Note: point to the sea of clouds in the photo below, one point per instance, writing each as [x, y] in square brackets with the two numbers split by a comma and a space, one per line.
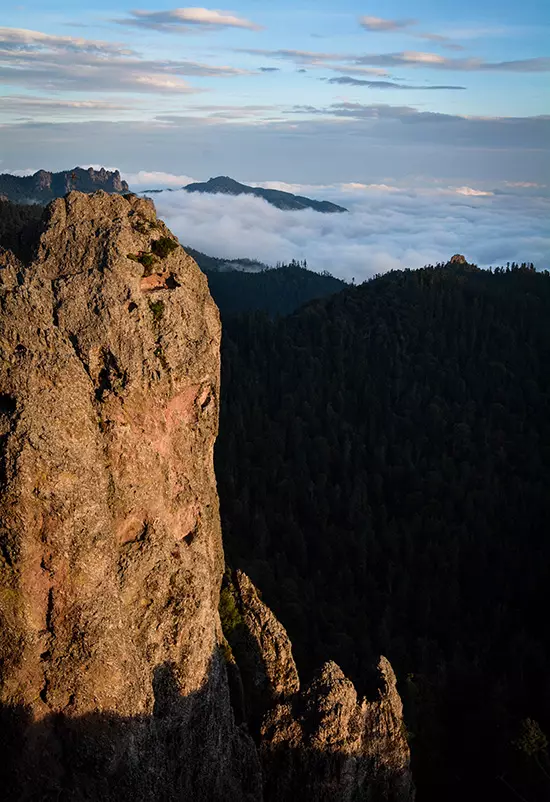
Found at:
[388, 226]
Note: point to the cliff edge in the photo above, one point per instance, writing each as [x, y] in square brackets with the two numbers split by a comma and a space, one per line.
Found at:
[116, 679]
[112, 681]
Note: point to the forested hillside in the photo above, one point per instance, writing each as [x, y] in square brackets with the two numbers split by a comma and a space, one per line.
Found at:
[384, 470]
[277, 291]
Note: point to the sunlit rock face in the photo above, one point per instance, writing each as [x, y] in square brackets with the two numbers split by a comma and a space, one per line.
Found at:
[111, 555]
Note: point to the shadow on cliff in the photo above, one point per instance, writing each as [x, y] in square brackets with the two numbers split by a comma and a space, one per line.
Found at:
[188, 749]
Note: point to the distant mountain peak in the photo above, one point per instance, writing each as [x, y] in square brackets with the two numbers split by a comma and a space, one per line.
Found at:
[223, 181]
[223, 184]
[44, 186]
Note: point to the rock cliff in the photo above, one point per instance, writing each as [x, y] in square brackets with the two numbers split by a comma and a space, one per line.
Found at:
[44, 186]
[110, 548]
[116, 680]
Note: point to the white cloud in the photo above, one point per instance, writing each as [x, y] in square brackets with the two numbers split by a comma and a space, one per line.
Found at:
[472, 192]
[163, 83]
[379, 24]
[387, 227]
[145, 179]
[421, 58]
[22, 39]
[35, 60]
[182, 19]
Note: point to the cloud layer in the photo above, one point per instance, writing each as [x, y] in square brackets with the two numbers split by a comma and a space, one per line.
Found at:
[344, 141]
[387, 227]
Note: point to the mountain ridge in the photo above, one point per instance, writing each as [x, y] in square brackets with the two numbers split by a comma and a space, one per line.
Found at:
[286, 201]
[44, 186]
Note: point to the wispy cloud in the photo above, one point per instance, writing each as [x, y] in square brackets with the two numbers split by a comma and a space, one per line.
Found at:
[411, 58]
[298, 56]
[404, 58]
[34, 106]
[348, 81]
[32, 59]
[24, 40]
[181, 20]
[351, 70]
[379, 24]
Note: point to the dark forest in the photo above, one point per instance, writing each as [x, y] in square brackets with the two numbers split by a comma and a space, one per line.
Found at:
[383, 466]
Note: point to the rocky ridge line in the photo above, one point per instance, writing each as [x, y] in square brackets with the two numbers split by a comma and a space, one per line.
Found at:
[43, 186]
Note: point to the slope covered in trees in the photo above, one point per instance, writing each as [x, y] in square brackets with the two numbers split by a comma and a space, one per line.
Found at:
[277, 291]
[383, 466]
[213, 264]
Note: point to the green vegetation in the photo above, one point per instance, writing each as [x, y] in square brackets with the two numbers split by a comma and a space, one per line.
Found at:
[163, 247]
[148, 261]
[230, 615]
[383, 469]
[157, 310]
[227, 653]
[145, 259]
[213, 263]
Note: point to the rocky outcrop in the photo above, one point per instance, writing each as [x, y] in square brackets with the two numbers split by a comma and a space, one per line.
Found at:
[116, 680]
[336, 746]
[112, 681]
[458, 259]
[322, 743]
[262, 652]
[44, 186]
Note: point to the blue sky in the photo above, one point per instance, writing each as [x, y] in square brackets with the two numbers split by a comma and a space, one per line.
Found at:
[305, 91]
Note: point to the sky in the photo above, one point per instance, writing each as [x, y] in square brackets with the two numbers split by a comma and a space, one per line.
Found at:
[431, 98]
